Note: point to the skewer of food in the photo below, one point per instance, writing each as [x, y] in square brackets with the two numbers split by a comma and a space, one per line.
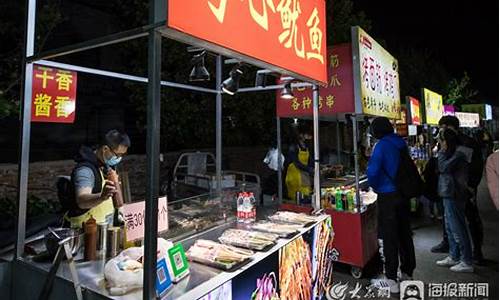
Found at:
[218, 255]
[283, 230]
[248, 239]
[291, 217]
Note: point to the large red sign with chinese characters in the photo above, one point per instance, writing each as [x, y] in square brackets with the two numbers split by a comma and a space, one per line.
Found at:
[337, 97]
[289, 35]
[53, 96]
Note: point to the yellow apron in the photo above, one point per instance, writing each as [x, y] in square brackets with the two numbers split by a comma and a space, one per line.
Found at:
[101, 213]
[297, 180]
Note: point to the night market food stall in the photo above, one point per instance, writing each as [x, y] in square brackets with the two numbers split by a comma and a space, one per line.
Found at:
[283, 254]
[363, 82]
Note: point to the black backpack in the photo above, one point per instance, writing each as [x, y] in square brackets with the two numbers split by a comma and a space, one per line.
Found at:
[66, 190]
[408, 181]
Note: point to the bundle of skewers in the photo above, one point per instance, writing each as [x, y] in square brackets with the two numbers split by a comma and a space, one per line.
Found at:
[248, 239]
[283, 230]
[218, 255]
[293, 218]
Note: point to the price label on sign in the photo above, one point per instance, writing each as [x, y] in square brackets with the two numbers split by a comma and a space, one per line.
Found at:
[134, 214]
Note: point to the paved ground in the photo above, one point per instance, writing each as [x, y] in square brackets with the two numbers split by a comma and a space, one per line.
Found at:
[427, 233]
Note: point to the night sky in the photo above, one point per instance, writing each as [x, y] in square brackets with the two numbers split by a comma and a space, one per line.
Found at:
[463, 34]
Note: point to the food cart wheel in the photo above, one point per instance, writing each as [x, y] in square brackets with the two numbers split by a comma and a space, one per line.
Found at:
[356, 272]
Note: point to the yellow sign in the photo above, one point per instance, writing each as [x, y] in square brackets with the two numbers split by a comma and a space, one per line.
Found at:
[378, 76]
[433, 107]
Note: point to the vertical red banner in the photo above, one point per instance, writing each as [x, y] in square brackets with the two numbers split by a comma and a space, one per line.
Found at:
[53, 96]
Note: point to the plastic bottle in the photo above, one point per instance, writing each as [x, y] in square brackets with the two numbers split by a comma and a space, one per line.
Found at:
[345, 204]
[252, 212]
[350, 200]
[338, 200]
[331, 196]
[240, 207]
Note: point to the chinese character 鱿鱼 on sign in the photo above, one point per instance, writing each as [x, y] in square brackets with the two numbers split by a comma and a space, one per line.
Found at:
[53, 95]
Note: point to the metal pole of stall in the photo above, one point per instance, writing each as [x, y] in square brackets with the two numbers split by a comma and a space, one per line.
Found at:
[157, 11]
[317, 189]
[280, 172]
[356, 162]
[218, 124]
[337, 130]
[23, 168]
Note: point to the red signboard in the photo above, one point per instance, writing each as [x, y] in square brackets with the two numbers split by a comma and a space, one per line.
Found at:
[337, 97]
[287, 34]
[53, 96]
[414, 106]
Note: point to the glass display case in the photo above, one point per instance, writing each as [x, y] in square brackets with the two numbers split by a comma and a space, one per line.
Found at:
[193, 215]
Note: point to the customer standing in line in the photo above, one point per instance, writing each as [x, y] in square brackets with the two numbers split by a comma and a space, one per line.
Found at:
[393, 208]
[475, 173]
[452, 187]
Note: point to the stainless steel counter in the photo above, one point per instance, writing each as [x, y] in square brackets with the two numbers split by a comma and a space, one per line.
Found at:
[201, 280]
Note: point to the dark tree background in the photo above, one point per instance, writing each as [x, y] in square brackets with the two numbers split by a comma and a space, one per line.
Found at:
[187, 118]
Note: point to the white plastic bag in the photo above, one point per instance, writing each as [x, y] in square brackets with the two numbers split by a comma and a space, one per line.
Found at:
[124, 273]
[271, 159]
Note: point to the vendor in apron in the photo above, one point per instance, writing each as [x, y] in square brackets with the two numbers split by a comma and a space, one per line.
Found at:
[96, 184]
[301, 166]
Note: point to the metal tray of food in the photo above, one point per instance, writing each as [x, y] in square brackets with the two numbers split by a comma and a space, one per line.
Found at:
[228, 267]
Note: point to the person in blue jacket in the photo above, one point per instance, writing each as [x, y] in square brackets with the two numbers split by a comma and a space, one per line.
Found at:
[393, 209]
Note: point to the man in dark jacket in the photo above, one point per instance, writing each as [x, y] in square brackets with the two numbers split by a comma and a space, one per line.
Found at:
[96, 184]
[393, 209]
[476, 166]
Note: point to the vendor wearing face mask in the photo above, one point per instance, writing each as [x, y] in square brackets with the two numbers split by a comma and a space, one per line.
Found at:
[96, 184]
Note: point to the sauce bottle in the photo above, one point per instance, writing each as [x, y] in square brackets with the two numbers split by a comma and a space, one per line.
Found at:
[90, 236]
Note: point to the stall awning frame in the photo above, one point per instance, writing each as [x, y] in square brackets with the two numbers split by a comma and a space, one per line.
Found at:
[155, 31]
